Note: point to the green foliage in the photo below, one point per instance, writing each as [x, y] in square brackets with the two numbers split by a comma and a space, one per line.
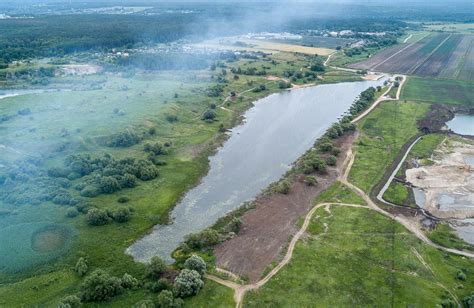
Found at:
[156, 267]
[284, 85]
[283, 187]
[326, 147]
[97, 217]
[71, 301]
[81, 267]
[166, 299]
[161, 284]
[204, 239]
[188, 283]
[468, 301]
[209, 115]
[331, 160]
[124, 139]
[72, 212]
[100, 286]
[196, 263]
[461, 275]
[155, 148]
[311, 180]
[109, 184]
[128, 281]
[121, 215]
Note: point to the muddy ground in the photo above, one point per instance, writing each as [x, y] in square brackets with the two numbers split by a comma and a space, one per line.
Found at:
[266, 229]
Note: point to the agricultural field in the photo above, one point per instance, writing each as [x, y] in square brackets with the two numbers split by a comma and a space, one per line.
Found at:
[441, 91]
[446, 55]
[318, 41]
[362, 258]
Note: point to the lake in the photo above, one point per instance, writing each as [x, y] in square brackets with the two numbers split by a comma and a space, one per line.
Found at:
[275, 132]
[462, 124]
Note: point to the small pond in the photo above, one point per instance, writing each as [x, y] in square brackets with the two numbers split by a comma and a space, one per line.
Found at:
[462, 124]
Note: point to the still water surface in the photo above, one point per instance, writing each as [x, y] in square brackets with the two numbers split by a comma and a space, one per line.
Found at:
[276, 131]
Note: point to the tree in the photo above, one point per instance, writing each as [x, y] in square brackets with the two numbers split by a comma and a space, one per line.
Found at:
[71, 301]
[209, 115]
[128, 281]
[81, 266]
[128, 180]
[166, 300]
[122, 214]
[97, 217]
[188, 283]
[156, 267]
[468, 301]
[325, 147]
[109, 184]
[100, 286]
[196, 263]
[72, 212]
[203, 239]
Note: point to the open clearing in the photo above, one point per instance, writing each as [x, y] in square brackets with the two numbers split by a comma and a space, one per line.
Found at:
[357, 257]
[436, 55]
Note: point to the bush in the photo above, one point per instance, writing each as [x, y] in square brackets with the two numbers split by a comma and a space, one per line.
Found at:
[209, 115]
[156, 148]
[156, 267]
[81, 267]
[123, 199]
[331, 160]
[325, 147]
[100, 286]
[128, 281]
[97, 217]
[234, 225]
[90, 191]
[203, 239]
[283, 187]
[336, 151]
[196, 263]
[146, 303]
[468, 301]
[461, 275]
[71, 301]
[160, 285]
[121, 215]
[166, 300]
[124, 139]
[128, 181]
[311, 180]
[109, 185]
[72, 212]
[188, 283]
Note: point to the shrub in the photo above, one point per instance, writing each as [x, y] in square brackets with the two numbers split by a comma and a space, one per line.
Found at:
[166, 300]
[196, 263]
[72, 212]
[71, 301]
[128, 281]
[156, 267]
[124, 139]
[97, 217]
[331, 160]
[121, 215]
[100, 286]
[311, 180]
[123, 199]
[283, 187]
[146, 303]
[156, 148]
[160, 285]
[209, 115]
[188, 283]
[128, 180]
[90, 191]
[109, 184]
[171, 118]
[81, 267]
[336, 151]
[461, 275]
[325, 147]
[468, 301]
[203, 239]
[234, 225]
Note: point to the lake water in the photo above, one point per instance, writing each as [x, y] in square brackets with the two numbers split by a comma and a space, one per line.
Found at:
[276, 131]
[462, 124]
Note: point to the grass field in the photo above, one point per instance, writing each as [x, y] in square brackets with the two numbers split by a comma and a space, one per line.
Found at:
[383, 133]
[439, 91]
[364, 259]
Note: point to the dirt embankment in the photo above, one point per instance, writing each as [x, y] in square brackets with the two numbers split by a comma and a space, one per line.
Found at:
[266, 229]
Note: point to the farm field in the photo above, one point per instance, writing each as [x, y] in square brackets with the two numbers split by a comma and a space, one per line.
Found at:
[442, 91]
[361, 258]
[444, 55]
[317, 41]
